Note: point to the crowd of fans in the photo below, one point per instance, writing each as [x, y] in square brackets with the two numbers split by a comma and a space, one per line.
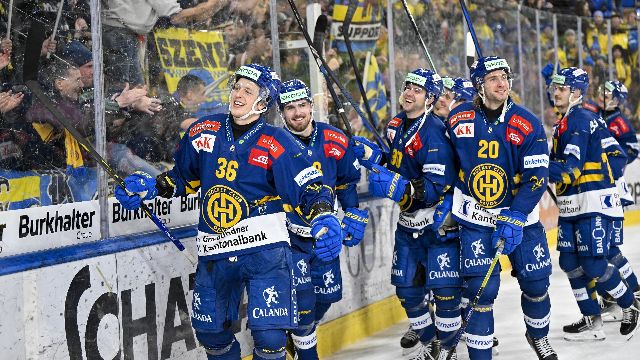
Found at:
[146, 114]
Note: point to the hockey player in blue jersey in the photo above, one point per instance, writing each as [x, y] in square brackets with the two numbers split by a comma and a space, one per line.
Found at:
[245, 170]
[611, 97]
[318, 279]
[584, 172]
[502, 151]
[420, 169]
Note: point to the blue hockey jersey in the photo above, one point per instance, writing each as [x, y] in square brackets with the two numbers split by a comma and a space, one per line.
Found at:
[243, 184]
[581, 167]
[330, 153]
[421, 150]
[503, 164]
[625, 135]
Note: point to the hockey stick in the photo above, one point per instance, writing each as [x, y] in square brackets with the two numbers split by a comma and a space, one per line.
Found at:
[417, 31]
[473, 304]
[470, 26]
[36, 89]
[321, 25]
[9, 20]
[55, 27]
[351, 10]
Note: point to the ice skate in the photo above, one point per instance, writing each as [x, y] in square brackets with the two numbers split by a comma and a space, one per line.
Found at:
[409, 340]
[543, 349]
[422, 351]
[588, 328]
[609, 310]
[630, 322]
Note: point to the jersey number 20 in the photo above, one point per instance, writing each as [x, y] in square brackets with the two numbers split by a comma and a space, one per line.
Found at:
[492, 147]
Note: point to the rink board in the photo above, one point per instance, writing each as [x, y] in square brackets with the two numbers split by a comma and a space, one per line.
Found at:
[135, 303]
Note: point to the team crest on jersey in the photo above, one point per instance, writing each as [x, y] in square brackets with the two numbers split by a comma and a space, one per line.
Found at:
[274, 147]
[223, 208]
[259, 158]
[488, 184]
[204, 126]
[395, 122]
[462, 116]
[335, 137]
[333, 151]
[464, 130]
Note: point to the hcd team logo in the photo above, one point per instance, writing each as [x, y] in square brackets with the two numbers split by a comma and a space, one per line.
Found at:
[224, 208]
[270, 295]
[488, 184]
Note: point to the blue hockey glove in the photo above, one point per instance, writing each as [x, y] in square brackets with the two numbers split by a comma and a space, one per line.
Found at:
[366, 151]
[547, 73]
[353, 224]
[509, 227]
[386, 183]
[139, 185]
[446, 228]
[328, 242]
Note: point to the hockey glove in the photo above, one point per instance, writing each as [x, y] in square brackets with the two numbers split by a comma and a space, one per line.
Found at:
[139, 186]
[328, 242]
[547, 73]
[386, 183]
[444, 226]
[353, 224]
[509, 227]
[366, 151]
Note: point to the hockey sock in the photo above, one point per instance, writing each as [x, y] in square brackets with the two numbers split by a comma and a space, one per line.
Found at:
[536, 307]
[448, 314]
[612, 283]
[480, 333]
[585, 296]
[620, 261]
[305, 340]
[412, 300]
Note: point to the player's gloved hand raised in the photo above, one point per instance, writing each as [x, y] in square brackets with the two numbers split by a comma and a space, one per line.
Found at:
[139, 186]
[386, 183]
[509, 228]
[353, 224]
[366, 151]
[328, 244]
[547, 73]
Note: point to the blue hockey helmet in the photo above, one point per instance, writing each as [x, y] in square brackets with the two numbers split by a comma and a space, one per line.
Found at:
[427, 79]
[293, 90]
[485, 65]
[462, 88]
[617, 90]
[266, 79]
[574, 78]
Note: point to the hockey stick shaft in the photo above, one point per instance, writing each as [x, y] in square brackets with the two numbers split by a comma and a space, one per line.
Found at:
[352, 59]
[8, 37]
[465, 12]
[55, 26]
[329, 77]
[347, 40]
[35, 87]
[417, 31]
[476, 299]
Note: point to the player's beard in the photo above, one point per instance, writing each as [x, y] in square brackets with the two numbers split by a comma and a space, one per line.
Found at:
[300, 123]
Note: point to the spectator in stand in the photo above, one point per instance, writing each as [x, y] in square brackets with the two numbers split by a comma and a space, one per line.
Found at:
[570, 47]
[622, 70]
[190, 95]
[125, 22]
[583, 9]
[605, 6]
